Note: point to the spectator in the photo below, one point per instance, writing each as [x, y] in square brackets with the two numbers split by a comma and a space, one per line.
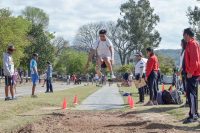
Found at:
[192, 65]
[140, 73]
[15, 79]
[151, 76]
[8, 66]
[34, 73]
[182, 70]
[49, 78]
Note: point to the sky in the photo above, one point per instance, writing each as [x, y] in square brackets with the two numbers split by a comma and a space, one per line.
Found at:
[66, 16]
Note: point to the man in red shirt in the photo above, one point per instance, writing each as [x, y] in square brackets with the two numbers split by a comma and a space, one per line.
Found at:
[151, 76]
[192, 65]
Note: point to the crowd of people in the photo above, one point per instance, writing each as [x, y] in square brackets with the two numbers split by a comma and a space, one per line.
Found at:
[146, 69]
[189, 70]
[12, 75]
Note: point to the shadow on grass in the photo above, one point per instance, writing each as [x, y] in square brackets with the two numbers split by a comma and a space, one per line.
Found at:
[50, 114]
[132, 124]
[150, 110]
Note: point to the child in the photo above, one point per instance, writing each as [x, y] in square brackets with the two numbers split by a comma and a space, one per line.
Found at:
[15, 77]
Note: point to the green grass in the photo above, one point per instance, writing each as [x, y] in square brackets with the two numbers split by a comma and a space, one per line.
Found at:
[176, 111]
[14, 114]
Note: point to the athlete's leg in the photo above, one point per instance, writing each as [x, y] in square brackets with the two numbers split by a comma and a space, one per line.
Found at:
[98, 66]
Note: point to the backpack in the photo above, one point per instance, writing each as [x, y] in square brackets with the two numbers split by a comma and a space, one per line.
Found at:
[176, 96]
[167, 97]
[159, 97]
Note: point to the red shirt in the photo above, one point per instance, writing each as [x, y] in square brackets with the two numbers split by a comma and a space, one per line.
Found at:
[152, 65]
[192, 58]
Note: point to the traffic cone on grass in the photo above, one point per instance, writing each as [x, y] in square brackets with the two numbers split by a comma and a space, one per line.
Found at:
[64, 105]
[75, 100]
[131, 103]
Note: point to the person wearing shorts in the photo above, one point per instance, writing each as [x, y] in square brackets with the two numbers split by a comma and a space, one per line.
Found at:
[8, 66]
[34, 73]
[103, 48]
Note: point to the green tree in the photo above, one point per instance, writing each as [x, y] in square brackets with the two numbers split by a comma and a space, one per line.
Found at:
[13, 30]
[167, 64]
[194, 20]
[40, 43]
[36, 15]
[71, 61]
[139, 21]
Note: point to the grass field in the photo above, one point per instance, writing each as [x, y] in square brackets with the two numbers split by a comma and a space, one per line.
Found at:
[14, 114]
[179, 112]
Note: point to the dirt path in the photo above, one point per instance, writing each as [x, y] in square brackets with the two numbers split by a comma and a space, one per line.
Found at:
[105, 122]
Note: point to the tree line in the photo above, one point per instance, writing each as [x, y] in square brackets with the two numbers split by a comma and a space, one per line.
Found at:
[135, 30]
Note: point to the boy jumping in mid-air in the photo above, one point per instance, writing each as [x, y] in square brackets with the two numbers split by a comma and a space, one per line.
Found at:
[103, 48]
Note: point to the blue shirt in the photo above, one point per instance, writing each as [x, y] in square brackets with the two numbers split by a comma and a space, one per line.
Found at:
[33, 64]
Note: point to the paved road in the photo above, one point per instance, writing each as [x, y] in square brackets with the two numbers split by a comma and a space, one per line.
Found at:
[25, 89]
[105, 98]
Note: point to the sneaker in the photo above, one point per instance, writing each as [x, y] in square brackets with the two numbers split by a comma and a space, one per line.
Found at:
[189, 120]
[149, 103]
[7, 98]
[112, 76]
[14, 98]
[34, 96]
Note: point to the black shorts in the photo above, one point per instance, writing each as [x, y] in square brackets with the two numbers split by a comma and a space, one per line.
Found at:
[9, 81]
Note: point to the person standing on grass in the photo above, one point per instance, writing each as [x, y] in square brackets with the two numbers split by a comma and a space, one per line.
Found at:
[182, 70]
[8, 66]
[140, 73]
[34, 73]
[192, 65]
[15, 79]
[49, 77]
[151, 76]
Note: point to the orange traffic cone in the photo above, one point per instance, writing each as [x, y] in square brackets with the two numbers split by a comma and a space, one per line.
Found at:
[163, 87]
[129, 99]
[131, 103]
[75, 100]
[64, 106]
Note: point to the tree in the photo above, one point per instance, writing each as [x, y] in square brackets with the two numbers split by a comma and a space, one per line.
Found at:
[60, 45]
[71, 61]
[87, 35]
[116, 34]
[36, 15]
[166, 64]
[5, 13]
[13, 30]
[194, 20]
[40, 43]
[139, 21]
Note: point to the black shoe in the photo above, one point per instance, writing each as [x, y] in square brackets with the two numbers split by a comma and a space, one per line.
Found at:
[46, 91]
[139, 102]
[7, 98]
[51, 91]
[14, 98]
[189, 120]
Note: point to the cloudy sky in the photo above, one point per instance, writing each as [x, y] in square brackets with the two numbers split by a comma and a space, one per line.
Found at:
[67, 15]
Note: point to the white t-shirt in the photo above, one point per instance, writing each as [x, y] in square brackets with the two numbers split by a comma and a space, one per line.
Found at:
[103, 48]
[140, 65]
[8, 65]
